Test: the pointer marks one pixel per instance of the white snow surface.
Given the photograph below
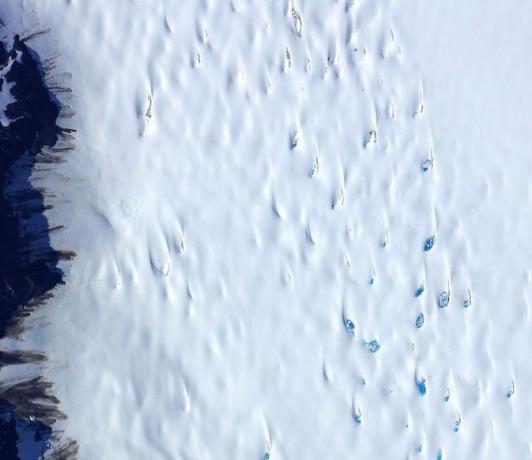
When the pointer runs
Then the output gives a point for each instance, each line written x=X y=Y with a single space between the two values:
x=247 y=178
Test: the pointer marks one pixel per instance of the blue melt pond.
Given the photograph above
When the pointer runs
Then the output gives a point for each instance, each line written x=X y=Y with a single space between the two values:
x=266 y=456
x=420 y=290
x=429 y=243
x=422 y=387
x=425 y=166
x=443 y=301
x=420 y=320
x=373 y=346
x=350 y=326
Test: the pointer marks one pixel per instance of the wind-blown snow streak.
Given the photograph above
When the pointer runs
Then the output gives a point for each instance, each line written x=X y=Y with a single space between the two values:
x=29 y=136
x=281 y=253
x=260 y=215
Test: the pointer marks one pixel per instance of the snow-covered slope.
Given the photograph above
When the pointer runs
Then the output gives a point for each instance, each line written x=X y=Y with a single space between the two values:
x=300 y=227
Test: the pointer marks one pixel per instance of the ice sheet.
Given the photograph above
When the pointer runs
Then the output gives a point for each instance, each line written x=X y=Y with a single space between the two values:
x=301 y=229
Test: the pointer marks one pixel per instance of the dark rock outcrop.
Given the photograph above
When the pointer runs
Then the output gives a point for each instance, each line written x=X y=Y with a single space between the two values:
x=29 y=268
